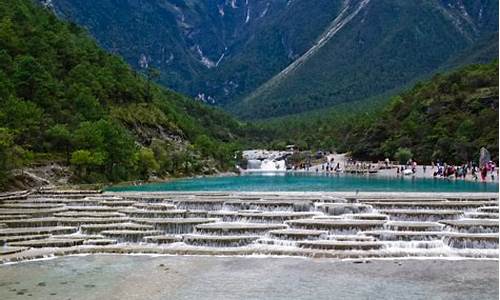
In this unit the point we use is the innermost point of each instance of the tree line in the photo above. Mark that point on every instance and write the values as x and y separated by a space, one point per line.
63 99
448 117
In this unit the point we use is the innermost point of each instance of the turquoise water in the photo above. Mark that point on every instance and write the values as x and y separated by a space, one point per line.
308 182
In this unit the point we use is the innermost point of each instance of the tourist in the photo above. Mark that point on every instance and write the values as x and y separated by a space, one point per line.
474 173
484 172
450 171
424 167
460 172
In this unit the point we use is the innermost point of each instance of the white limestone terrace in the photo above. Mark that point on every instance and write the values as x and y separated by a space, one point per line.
311 224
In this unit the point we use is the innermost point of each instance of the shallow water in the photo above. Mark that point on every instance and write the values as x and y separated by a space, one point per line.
305 182
144 277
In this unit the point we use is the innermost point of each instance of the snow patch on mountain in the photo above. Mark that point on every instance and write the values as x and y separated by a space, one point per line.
48 3
221 10
143 61
264 12
203 59
247 19
220 59
458 15
351 9
205 98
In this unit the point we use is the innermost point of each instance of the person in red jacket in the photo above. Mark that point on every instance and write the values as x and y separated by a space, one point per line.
484 172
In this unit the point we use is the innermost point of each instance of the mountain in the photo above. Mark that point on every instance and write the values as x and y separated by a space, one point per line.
216 49
481 52
266 58
374 47
448 117
65 100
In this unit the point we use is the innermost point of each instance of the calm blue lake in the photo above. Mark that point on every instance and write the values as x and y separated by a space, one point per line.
313 182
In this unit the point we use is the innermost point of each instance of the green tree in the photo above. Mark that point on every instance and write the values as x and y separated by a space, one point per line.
34 83
146 163
60 139
23 117
86 104
84 160
205 145
403 155
120 149
12 156
6 145
89 136
152 74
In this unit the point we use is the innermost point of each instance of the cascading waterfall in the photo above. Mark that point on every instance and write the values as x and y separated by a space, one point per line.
251 224
254 164
266 165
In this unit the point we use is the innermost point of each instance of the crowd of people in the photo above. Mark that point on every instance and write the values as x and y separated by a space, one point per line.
442 169
471 170
461 171
330 166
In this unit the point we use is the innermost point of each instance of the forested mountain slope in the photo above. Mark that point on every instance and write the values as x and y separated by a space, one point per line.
375 47
64 99
265 58
448 117
217 49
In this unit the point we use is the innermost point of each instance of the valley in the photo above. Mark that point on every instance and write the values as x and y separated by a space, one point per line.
263 59
249 149
74 113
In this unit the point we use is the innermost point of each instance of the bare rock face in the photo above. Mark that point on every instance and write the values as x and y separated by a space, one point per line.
41 176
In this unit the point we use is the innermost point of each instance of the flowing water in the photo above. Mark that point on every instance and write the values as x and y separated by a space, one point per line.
240 226
143 277
305 182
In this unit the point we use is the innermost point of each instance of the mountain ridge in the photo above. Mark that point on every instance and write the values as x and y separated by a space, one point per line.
308 87
245 55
